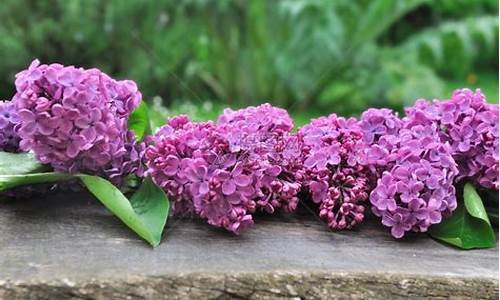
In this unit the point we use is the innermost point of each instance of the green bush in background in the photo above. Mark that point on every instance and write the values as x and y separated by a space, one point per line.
313 56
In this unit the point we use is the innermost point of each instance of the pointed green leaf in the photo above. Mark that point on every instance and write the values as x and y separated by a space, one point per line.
138 121
146 213
19 163
151 203
469 226
473 203
12 181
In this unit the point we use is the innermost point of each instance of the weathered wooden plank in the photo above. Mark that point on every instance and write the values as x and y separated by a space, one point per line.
70 246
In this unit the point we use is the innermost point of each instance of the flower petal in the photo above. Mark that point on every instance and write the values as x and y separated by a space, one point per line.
228 187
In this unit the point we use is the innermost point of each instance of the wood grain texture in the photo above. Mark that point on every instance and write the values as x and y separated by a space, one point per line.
69 246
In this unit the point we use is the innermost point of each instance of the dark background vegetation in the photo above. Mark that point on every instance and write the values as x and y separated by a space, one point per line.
312 57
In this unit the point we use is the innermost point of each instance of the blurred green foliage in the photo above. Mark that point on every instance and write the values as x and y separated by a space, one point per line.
307 55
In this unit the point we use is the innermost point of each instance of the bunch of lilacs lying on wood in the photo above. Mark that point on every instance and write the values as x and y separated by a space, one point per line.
407 170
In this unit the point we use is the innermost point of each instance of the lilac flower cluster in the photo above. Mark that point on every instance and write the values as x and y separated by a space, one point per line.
9 139
224 172
76 120
470 125
261 137
336 176
415 172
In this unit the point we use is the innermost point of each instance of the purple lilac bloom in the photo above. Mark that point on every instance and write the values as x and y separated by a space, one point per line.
76 120
416 171
335 176
176 160
261 139
224 173
470 125
9 139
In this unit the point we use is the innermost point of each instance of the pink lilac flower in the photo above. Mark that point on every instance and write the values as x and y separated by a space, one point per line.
335 176
9 139
416 171
470 125
225 172
261 138
76 120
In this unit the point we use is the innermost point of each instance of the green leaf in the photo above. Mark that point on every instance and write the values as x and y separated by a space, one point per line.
380 15
12 181
19 163
146 213
469 226
138 121
474 204
453 45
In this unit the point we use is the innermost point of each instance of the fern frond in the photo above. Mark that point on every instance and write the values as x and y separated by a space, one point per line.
380 15
469 38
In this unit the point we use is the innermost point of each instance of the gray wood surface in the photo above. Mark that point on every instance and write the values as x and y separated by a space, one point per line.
69 246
